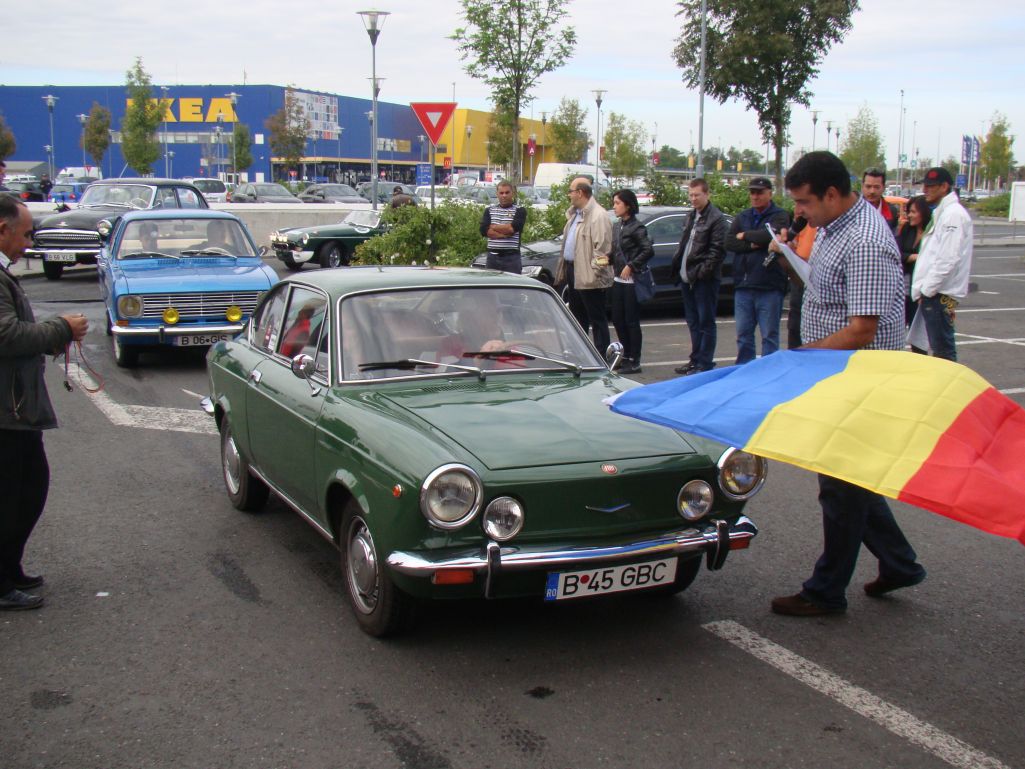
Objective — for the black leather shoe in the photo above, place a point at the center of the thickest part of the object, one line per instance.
(880, 586)
(17, 600)
(799, 606)
(685, 369)
(28, 581)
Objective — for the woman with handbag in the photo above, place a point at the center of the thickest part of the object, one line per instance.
(631, 251)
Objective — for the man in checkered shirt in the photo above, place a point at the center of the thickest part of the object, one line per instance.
(855, 301)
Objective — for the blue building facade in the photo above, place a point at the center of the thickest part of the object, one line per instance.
(196, 137)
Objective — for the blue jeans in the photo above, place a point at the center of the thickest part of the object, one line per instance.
(938, 314)
(699, 303)
(765, 308)
(851, 516)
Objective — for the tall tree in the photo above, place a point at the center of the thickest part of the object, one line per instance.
(625, 151)
(863, 148)
(139, 142)
(242, 155)
(567, 131)
(8, 144)
(763, 53)
(288, 129)
(670, 157)
(96, 137)
(995, 157)
(509, 45)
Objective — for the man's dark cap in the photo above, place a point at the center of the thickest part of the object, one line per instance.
(759, 183)
(937, 176)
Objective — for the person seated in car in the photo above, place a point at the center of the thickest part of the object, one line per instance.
(217, 237)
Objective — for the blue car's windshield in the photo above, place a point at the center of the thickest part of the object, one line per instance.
(154, 238)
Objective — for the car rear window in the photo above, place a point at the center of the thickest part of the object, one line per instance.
(209, 185)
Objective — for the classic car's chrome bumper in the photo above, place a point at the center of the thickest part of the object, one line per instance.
(299, 257)
(168, 331)
(715, 539)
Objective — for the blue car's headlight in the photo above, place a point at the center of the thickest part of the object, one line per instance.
(129, 306)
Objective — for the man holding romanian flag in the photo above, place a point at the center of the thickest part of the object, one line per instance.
(855, 301)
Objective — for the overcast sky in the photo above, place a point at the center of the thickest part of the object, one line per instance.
(957, 62)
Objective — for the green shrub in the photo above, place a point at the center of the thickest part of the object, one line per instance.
(665, 191)
(998, 205)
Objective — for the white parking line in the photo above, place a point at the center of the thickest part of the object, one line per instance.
(926, 736)
(1013, 390)
(147, 417)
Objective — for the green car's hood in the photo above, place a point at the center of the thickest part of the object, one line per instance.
(329, 230)
(507, 422)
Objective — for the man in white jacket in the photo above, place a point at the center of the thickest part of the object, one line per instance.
(944, 262)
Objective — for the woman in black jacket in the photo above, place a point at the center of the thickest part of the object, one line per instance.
(631, 251)
(911, 225)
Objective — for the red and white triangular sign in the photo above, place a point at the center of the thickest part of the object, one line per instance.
(434, 116)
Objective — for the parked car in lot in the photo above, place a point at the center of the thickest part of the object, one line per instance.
(665, 228)
(73, 237)
(330, 193)
(262, 192)
(329, 245)
(29, 192)
(214, 190)
(445, 429)
(179, 278)
(67, 193)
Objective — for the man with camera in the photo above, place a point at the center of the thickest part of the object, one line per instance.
(25, 409)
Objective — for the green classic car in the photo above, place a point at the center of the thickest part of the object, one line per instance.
(445, 429)
(329, 245)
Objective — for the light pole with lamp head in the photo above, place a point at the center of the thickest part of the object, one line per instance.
(829, 127)
(163, 113)
(598, 94)
(466, 147)
(837, 148)
(533, 139)
(51, 102)
(219, 131)
(234, 124)
(814, 125)
(373, 21)
(82, 118)
(48, 148)
(544, 128)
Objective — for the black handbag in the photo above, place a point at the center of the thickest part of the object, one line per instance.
(644, 285)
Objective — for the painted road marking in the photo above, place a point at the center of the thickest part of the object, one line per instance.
(926, 736)
(147, 417)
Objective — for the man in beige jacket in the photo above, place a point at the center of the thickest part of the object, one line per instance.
(586, 266)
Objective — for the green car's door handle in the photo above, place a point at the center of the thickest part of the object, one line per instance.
(256, 376)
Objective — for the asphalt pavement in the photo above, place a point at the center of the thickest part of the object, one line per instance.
(179, 632)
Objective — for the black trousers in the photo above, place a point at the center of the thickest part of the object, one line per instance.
(626, 317)
(506, 261)
(24, 483)
(588, 307)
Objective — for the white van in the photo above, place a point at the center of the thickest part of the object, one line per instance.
(548, 174)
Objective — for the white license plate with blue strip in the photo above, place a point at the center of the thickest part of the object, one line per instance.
(612, 579)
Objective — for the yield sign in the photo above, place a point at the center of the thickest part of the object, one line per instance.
(434, 116)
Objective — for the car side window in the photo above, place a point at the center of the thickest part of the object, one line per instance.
(668, 229)
(304, 322)
(188, 198)
(266, 323)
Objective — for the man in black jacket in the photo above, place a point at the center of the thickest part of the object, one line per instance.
(697, 266)
(25, 409)
(759, 280)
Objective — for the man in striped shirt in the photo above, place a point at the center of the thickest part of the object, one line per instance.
(854, 300)
(502, 225)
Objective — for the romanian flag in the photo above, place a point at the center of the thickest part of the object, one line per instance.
(915, 428)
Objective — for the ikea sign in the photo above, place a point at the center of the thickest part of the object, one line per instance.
(188, 109)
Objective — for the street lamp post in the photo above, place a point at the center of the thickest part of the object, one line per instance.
(814, 125)
(466, 147)
(51, 102)
(533, 139)
(220, 139)
(217, 148)
(48, 148)
(544, 129)
(373, 21)
(163, 105)
(829, 127)
(234, 124)
(82, 118)
(837, 130)
(699, 169)
(487, 153)
(598, 94)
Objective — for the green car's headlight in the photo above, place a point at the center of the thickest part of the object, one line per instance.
(741, 474)
(451, 496)
(306, 238)
(503, 518)
(695, 500)
(129, 306)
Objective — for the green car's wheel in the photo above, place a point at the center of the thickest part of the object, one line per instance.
(125, 355)
(53, 270)
(686, 572)
(380, 608)
(245, 490)
(333, 255)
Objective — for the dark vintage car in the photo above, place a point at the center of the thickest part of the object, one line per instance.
(330, 193)
(73, 237)
(178, 278)
(329, 245)
(445, 429)
(262, 192)
(665, 227)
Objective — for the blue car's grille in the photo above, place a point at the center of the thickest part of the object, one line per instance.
(199, 305)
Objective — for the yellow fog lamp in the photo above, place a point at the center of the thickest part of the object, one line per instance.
(171, 316)
(233, 313)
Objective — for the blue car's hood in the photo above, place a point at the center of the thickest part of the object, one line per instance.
(159, 276)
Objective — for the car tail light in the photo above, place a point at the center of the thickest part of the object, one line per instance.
(24, 196)
(453, 577)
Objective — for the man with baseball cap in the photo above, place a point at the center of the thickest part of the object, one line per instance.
(940, 278)
(759, 279)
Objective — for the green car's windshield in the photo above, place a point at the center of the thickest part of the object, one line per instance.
(459, 330)
(363, 219)
(156, 238)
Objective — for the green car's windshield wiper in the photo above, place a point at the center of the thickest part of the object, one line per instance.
(147, 255)
(408, 364)
(512, 352)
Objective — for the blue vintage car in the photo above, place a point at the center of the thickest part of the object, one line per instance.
(186, 278)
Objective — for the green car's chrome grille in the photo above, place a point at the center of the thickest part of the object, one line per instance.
(199, 305)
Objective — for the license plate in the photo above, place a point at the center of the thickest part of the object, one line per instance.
(613, 579)
(199, 340)
(57, 256)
